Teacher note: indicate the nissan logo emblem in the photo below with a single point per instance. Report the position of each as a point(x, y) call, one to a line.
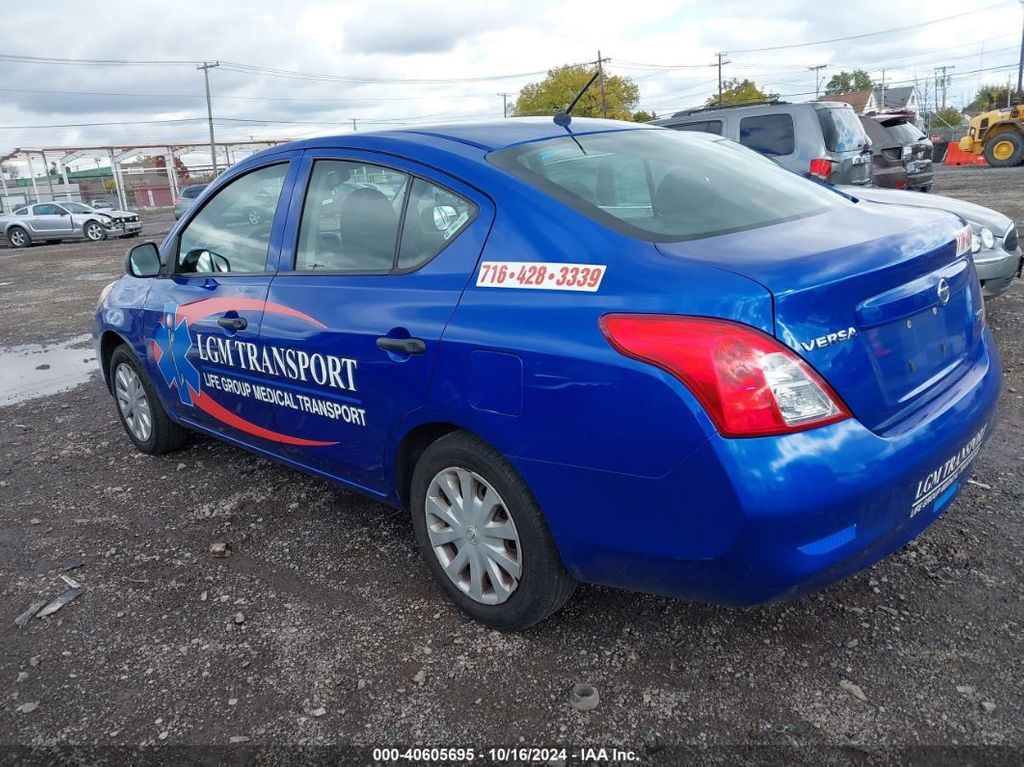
point(943, 292)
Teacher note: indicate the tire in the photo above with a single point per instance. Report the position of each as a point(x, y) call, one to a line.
point(163, 435)
point(1004, 150)
point(18, 237)
point(543, 585)
point(94, 231)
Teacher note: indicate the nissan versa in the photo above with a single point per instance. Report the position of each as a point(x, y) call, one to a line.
point(594, 352)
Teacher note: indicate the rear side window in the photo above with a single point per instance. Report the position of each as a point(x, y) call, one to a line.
point(191, 192)
point(350, 219)
point(433, 217)
point(768, 134)
point(704, 126)
point(21, 212)
point(842, 130)
point(664, 185)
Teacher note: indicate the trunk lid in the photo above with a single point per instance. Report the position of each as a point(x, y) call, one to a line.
point(881, 300)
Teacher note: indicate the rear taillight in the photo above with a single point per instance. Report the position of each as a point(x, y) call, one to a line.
point(822, 167)
point(749, 383)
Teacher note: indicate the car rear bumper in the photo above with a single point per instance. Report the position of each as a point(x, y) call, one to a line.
point(923, 177)
point(891, 177)
point(746, 521)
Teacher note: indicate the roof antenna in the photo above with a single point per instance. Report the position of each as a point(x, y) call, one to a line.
point(564, 117)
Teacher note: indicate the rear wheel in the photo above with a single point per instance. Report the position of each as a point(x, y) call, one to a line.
point(143, 416)
point(483, 535)
point(94, 231)
point(1004, 150)
point(18, 237)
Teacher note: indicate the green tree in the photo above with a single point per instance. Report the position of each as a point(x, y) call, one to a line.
point(946, 119)
point(847, 82)
point(738, 91)
point(561, 85)
point(995, 93)
point(643, 117)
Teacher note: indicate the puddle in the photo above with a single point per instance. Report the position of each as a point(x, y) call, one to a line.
point(39, 370)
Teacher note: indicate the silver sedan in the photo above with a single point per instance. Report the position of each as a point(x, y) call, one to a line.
point(48, 221)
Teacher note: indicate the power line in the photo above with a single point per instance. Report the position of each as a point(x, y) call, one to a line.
point(893, 30)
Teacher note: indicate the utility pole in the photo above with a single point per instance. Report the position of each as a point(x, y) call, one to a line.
point(817, 79)
point(600, 69)
point(881, 106)
point(720, 56)
point(504, 103)
point(354, 128)
point(1020, 64)
point(206, 66)
point(942, 82)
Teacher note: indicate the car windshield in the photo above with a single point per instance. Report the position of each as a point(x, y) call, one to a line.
point(77, 207)
point(842, 130)
point(905, 133)
point(663, 185)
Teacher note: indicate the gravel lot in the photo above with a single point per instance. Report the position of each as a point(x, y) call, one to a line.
point(323, 626)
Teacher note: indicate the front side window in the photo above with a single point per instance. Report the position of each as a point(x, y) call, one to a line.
point(768, 134)
point(232, 231)
point(48, 210)
point(664, 185)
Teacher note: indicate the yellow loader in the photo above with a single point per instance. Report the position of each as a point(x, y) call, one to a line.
point(999, 134)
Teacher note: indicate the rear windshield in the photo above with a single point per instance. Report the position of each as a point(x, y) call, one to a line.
point(842, 130)
point(905, 133)
point(663, 185)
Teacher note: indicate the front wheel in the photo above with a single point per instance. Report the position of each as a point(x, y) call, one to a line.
point(1004, 150)
point(94, 232)
point(18, 237)
point(143, 416)
point(484, 537)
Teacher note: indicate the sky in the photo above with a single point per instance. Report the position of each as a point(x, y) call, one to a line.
point(297, 69)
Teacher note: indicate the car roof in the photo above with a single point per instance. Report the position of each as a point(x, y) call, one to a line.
point(487, 135)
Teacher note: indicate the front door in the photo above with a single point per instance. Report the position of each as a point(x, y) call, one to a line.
point(49, 220)
point(383, 254)
point(202, 321)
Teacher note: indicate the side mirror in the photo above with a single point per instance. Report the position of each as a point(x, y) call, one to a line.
point(143, 261)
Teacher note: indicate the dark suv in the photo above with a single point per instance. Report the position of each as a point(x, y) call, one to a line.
point(819, 138)
point(901, 153)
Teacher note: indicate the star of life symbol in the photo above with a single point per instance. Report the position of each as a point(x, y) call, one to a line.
point(174, 342)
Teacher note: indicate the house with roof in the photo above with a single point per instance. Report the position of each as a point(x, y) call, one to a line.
point(873, 100)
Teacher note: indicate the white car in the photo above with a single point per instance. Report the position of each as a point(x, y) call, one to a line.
point(48, 221)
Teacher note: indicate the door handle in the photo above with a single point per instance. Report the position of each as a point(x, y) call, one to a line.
point(402, 345)
point(232, 323)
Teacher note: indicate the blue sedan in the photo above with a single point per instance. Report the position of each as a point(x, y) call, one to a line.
point(601, 352)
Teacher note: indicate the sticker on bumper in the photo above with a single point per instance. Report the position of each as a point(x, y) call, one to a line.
point(540, 276)
point(942, 478)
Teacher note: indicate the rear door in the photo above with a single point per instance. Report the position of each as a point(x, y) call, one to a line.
point(202, 321)
point(383, 251)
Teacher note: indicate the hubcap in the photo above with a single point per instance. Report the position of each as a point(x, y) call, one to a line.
point(133, 402)
point(1003, 150)
point(17, 237)
point(94, 232)
point(473, 536)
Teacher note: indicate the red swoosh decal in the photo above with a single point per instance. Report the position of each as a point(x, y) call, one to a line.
point(154, 349)
point(215, 410)
point(197, 310)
